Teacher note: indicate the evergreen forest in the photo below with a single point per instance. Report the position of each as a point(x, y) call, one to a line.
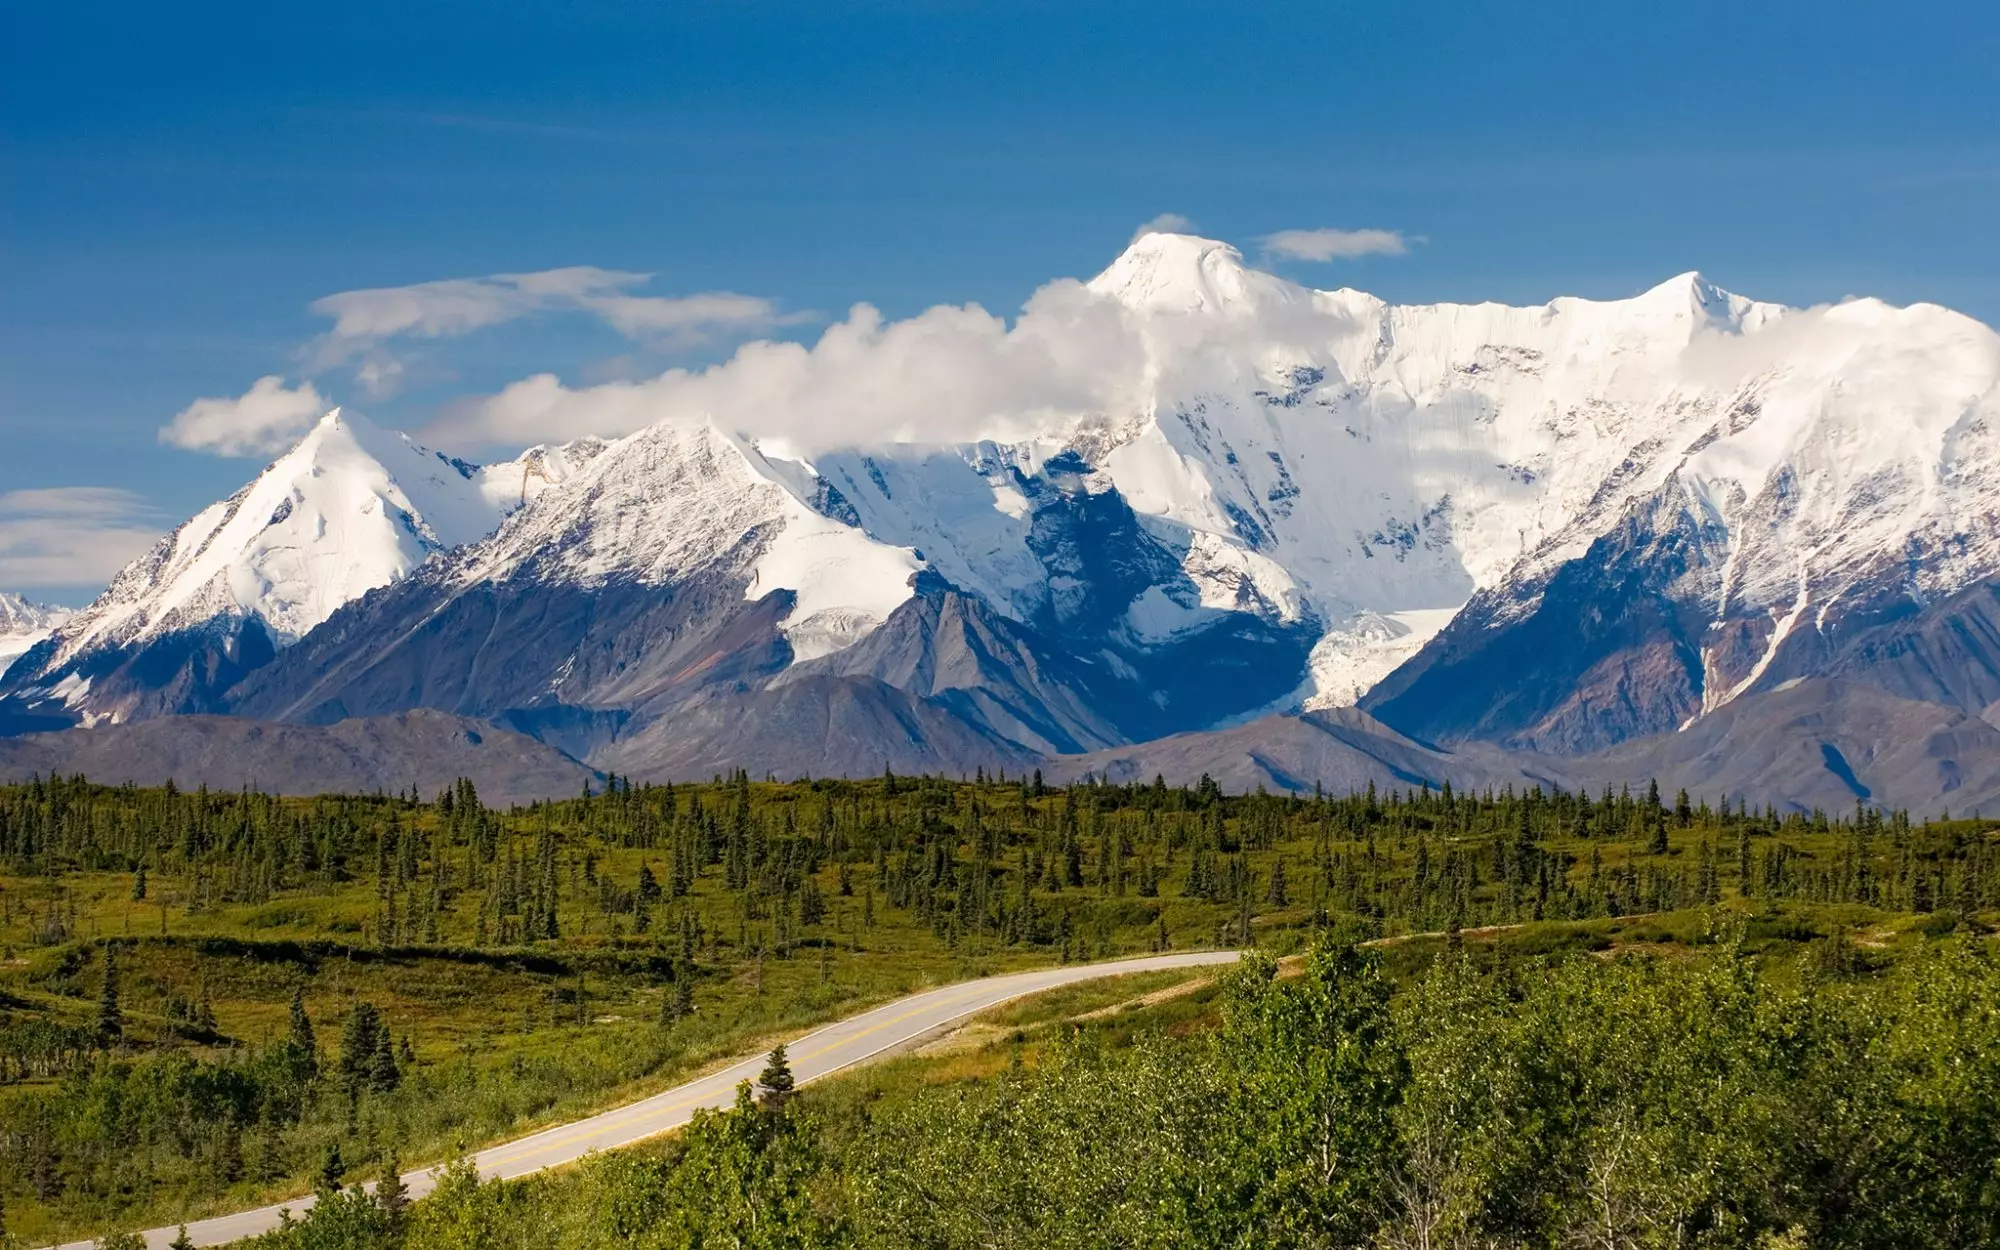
point(1496, 1019)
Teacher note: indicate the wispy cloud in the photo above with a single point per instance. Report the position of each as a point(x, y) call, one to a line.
point(365, 319)
point(1165, 223)
point(72, 535)
point(370, 322)
point(261, 420)
point(1328, 243)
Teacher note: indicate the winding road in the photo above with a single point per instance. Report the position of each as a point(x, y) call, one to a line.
point(814, 1056)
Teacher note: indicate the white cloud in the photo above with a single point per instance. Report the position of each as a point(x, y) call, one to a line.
point(379, 375)
point(365, 319)
point(264, 419)
point(639, 317)
point(366, 322)
point(1331, 244)
point(71, 535)
point(1165, 223)
point(949, 373)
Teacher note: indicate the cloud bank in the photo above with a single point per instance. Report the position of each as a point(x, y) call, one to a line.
point(1327, 243)
point(952, 373)
point(946, 374)
point(264, 419)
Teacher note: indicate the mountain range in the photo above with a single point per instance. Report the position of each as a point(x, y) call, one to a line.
point(1308, 538)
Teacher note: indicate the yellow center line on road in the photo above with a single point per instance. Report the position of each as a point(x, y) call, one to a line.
point(858, 1034)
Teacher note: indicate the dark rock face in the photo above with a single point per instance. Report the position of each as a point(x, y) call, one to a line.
point(995, 675)
point(577, 662)
point(183, 673)
point(1945, 652)
point(1626, 641)
point(1097, 556)
point(1598, 653)
point(1064, 693)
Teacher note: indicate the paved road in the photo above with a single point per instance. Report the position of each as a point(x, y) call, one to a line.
point(816, 1055)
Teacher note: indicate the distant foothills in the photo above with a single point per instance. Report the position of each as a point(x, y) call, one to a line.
point(1309, 540)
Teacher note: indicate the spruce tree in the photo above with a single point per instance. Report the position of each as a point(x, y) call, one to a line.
point(360, 1042)
point(270, 1154)
point(331, 1170)
point(383, 1073)
point(391, 1194)
point(304, 1042)
point(181, 1240)
point(776, 1079)
point(1656, 842)
point(229, 1156)
point(110, 1015)
point(678, 1004)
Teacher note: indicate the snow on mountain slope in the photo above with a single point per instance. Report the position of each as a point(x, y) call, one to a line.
point(1324, 456)
point(23, 624)
point(1314, 465)
point(1867, 461)
point(678, 497)
point(350, 508)
point(511, 484)
point(1393, 460)
point(1829, 477)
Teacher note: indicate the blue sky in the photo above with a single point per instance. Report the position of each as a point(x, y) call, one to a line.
point(182, 183)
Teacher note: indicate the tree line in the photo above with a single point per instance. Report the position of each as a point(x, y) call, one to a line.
point(127, 1093)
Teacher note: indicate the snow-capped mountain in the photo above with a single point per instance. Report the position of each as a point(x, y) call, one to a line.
point(1394, 460)
point(349, 509)
point(1323, 456)
point(1561, 526)
point(686, 564)
point(23, 624)
point(673, 501)
point(1824, 501)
